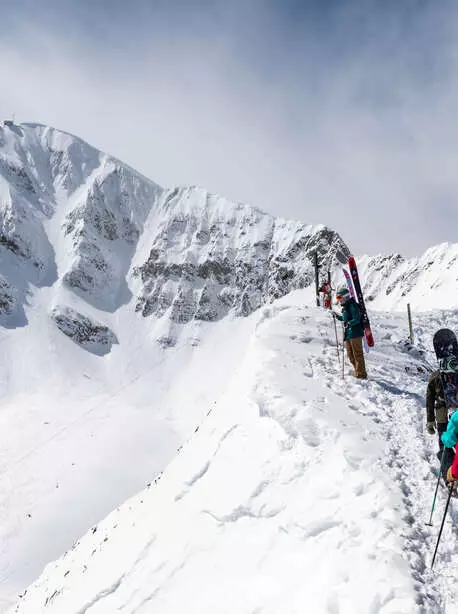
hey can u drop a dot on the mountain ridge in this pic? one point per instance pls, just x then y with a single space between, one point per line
97 397
206 256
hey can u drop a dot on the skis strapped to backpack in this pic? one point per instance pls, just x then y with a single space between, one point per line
353 296
359 295
446 349
349 284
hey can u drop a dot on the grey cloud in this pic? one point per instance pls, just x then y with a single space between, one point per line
361 139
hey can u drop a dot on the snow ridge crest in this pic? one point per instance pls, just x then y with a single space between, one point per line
72 217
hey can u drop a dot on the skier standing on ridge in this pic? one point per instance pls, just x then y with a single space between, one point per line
446 349
436 413
354 331
326 289
450 439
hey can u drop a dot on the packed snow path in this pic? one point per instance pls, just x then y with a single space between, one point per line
300 491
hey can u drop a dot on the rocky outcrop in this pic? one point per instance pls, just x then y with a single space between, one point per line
427 282
103 230
186 254
209 257
22 234
102 203
7 298
89 334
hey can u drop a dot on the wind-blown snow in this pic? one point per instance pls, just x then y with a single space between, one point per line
92 404
135 319
299 491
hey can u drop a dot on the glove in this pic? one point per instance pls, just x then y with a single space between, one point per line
431 427
450 476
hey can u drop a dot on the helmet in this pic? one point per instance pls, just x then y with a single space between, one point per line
343 292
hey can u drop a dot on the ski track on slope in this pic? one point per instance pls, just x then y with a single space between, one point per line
390 405
402 423
402 416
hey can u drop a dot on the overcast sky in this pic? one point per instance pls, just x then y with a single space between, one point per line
336 112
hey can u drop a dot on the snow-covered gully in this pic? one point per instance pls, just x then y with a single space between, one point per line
299 492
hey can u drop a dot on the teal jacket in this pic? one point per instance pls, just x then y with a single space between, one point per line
351 318
450 437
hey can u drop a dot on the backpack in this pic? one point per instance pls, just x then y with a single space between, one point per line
448 368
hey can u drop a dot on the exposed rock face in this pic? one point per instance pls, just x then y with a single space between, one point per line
72 216
208 257
89 334
7 299
56 189
427 282
22 234
104 229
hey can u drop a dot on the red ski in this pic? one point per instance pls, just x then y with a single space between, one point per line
359 295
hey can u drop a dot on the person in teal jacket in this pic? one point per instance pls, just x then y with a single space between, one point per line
354 331
449 439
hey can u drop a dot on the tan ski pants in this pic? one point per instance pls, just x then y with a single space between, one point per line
356 356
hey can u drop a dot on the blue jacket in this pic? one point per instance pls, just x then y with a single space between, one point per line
450 437
351 317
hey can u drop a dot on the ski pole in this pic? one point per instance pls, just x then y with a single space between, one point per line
343 353
442 525
337 339
430 524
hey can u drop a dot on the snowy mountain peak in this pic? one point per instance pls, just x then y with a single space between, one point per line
202 256
270 460
427 282
75 218
71 212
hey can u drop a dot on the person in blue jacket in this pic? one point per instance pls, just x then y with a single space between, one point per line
354 332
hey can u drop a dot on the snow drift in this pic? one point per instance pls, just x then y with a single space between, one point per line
150 332
297 492
114 296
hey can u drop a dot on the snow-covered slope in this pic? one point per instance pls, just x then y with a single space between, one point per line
428 282
121 339
71 216
299 492
116 298
202 257
68 214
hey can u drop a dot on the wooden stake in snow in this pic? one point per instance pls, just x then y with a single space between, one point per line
409 315
317 279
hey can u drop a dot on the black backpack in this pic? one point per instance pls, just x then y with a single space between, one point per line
448 368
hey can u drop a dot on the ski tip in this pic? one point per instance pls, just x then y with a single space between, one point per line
369 337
